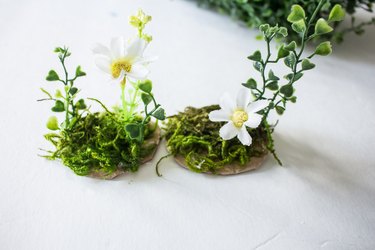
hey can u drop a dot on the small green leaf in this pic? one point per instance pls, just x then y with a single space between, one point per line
297 76
250 84
337 14
52 76
297 13
146 86
272 86
291 46
283 31
257 56
159 114
258 66
293 99
59 106
272 76
264 27
58 50
282 52
290 60
322 27
287 90
58 94
73 90
79 72
52 123
307 65
280 110
134 131
324 49
146 98
81 104
299 26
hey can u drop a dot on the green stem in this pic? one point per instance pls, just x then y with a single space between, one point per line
124 108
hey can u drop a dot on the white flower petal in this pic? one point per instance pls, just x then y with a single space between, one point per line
227 104
257 106
254 120
229 131
136 48
243 98
102 50
138 71
244 136
117 47
219 116
103 63
147 60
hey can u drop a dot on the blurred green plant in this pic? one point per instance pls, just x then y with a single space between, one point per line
256 12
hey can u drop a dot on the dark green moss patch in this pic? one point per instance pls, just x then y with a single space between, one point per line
192 135
98 142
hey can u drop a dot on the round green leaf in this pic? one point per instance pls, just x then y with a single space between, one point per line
287 90
79 72
251 84
337 14
59 106
282 52
280 110
283 31
159 114
73 90
297 13
290 60
272 76
291 46
134 131
299 26
324 49
52 123
264 27
52 76
307 65
257 56
146 98
322 27
146 86
81 104
272 86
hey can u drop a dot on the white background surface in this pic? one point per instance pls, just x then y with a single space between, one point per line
324 197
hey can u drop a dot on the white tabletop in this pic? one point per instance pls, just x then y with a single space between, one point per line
324 196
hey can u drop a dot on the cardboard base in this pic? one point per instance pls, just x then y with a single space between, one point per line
230 169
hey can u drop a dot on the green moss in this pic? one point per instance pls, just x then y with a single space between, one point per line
98 142
192 135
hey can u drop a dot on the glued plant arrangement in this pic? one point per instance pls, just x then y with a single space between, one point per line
254 13
109 143
235 136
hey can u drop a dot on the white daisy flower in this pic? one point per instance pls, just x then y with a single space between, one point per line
123 60
239 115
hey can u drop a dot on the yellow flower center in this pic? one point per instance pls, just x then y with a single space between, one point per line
239 117
119 65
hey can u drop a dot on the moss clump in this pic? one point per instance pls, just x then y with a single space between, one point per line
98 142
192 135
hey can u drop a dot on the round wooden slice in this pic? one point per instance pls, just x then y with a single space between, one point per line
230 169
154 140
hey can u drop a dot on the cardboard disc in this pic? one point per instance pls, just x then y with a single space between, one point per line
154 140
230 169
